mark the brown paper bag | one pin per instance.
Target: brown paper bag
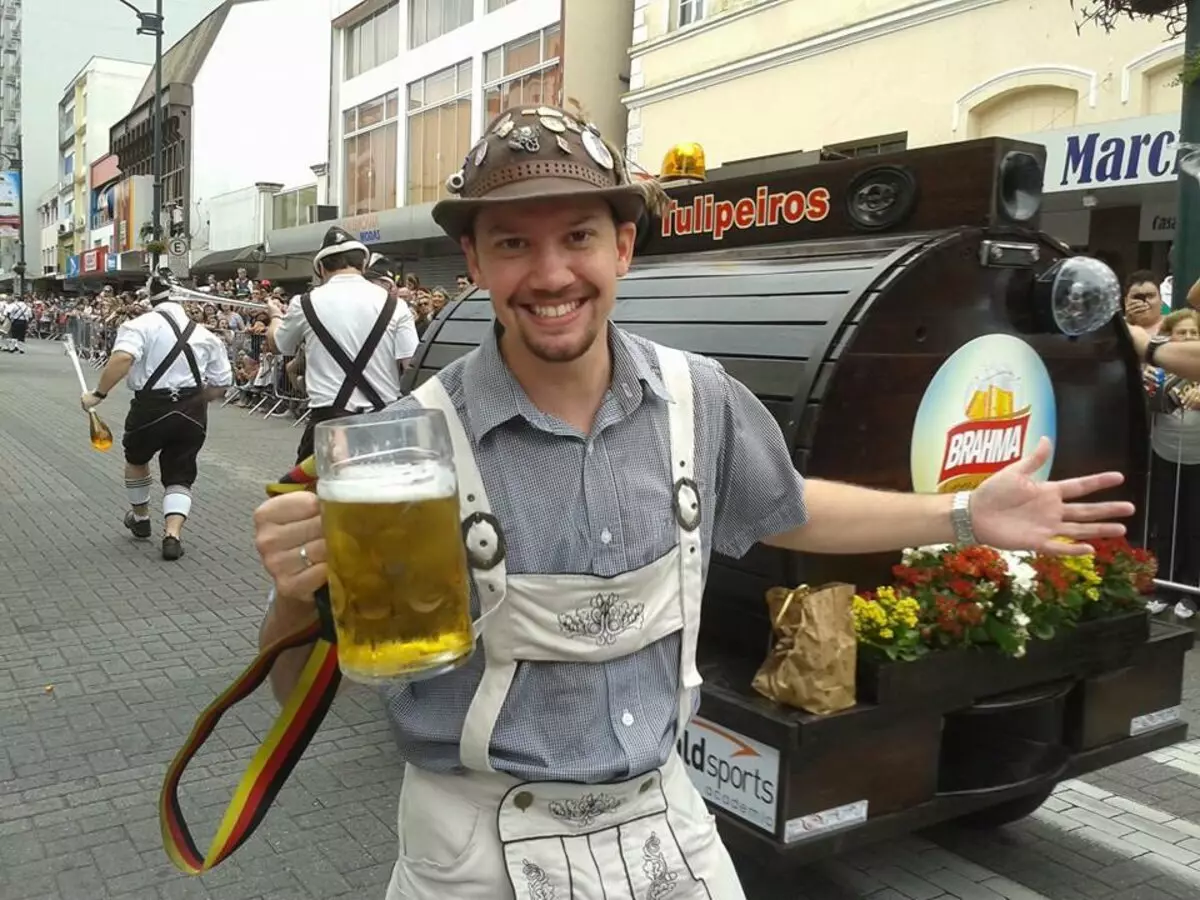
(812, 663)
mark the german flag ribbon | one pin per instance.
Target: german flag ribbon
(286, 742)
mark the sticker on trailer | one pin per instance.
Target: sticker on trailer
(732, 771)
(1150, 721)
(987, 407)
(804, 827)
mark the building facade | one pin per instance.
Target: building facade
(99, 95)
(10, 138)
(414, 83)
(752, 78)
(48, 266)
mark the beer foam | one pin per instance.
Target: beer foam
(405, 483)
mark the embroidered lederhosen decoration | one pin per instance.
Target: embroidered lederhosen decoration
(354, 369)
(286, 742)
(181, 346)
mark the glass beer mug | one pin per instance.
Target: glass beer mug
(398, 580)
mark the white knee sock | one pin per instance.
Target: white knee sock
(138, 491)
(177, 501)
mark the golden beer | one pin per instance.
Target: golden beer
(397, 571)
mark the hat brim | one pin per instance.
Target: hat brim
(454, 215)
(344, 247)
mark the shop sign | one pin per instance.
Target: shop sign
(72, 266)
(111, 261)
(732, 771)
(1123, 152)
(364, 227)
(1157, 221)
(94, 261)
(987, 407)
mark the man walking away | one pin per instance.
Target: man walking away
(174, 367)
(353, 335)
(19, 313)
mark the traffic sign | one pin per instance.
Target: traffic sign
(177, 256)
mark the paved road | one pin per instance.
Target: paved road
(107, 655)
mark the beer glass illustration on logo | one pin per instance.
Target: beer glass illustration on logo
(991, 435)
(398, 580)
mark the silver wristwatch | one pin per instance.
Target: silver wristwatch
(960, 519)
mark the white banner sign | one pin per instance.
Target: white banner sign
(732, 771)
(1157, 221)
(1125, 151)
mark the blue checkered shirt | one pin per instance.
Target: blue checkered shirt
(598, 504)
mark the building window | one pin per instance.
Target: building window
(690, 12)
(370, 147)
(429, 19)
(890, 143)
(439, 130)
(373, 41)
(291, 207)
(524, 72)
(493, 5)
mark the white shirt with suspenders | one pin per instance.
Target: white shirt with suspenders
(342, 369)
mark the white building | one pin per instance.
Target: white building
(48, 264)
(414, 82)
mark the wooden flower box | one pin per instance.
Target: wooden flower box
(956, 678)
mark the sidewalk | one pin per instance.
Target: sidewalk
(108, 654)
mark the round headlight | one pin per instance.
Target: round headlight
(1083, 294)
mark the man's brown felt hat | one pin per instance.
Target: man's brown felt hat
(540, 152)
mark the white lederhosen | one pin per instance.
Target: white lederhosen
(488, 836)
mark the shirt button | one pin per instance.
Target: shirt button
(627, 718)
(591, 449)
(606, 536)
(628, 391)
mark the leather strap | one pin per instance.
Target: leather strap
(355, 369)
(181, 346)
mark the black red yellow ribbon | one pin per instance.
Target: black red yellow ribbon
(286, 742)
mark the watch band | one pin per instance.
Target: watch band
(100, 394)
(1152, 349)
(960, 519)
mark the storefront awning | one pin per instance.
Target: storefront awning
(391, 226)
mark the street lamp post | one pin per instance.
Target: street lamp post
(152, 23)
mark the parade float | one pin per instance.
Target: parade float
(910, 328)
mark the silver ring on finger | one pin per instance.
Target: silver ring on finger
(304, 556)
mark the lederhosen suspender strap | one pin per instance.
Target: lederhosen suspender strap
(181, 346)
(354, 369)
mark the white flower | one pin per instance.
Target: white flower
(1020, 651)
(1020, 619)
(910, 553)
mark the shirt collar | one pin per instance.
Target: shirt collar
(492, 396)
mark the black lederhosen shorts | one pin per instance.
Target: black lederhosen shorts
(175, 430)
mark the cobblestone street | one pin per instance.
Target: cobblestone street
(108, 654)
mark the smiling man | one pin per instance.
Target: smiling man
(614, 467)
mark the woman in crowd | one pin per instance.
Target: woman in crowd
(1174, 508)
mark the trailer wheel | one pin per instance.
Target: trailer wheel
(1007, 812)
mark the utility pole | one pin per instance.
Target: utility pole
(1185, 253)
(152, 23)
(18, 165)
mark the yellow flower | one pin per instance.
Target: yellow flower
(886, 633)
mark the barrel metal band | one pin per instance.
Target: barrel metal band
(298, 721)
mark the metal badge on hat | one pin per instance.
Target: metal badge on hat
(525, 137)
(595, 148)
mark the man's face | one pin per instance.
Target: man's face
(552, 270)
(1143, 305)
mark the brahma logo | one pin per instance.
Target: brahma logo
(986, 407)
(708, 215)
(732, 771)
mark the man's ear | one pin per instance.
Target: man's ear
(471, 252)
(626, 236)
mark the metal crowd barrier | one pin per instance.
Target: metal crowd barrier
(1172, 510)
(93, 340)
